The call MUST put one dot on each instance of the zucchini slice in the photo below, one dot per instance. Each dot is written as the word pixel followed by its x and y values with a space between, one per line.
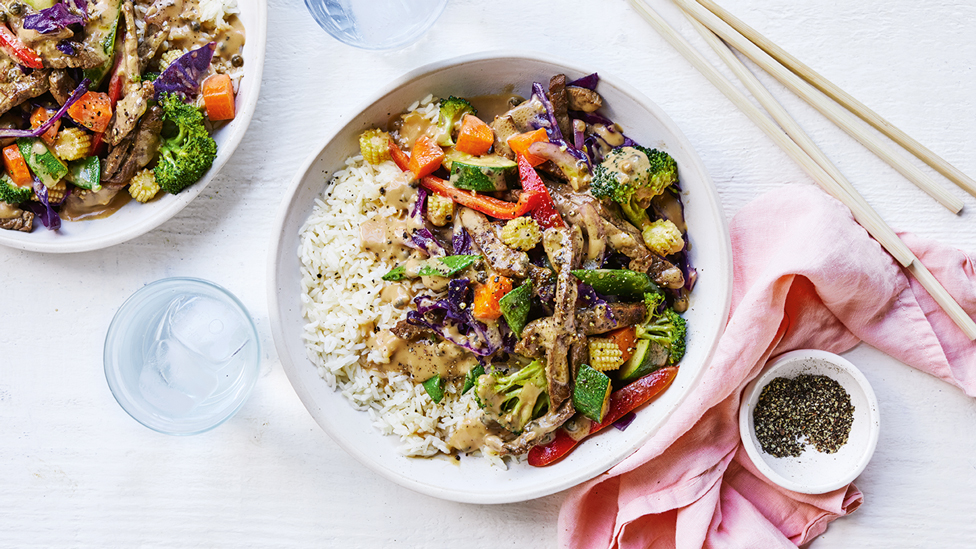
pixel 484 173
pixel 44 163
pixel 648 356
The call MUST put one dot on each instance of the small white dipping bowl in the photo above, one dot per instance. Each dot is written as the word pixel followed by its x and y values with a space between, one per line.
pixel 815 472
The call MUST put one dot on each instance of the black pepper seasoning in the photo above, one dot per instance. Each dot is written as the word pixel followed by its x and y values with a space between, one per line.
pixel 812 406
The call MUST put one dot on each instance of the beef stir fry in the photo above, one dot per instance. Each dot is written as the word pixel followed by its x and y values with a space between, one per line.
pixel 102 96
pixel 552 250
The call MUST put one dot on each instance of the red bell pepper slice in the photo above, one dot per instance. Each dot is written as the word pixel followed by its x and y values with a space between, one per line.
pixel 19 51
pixel 114 94
pixel 494 207
pixel 622 402
pixel 400 158
pixel 545 214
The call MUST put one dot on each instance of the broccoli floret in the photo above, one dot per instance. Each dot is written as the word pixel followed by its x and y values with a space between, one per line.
pixel 631 177
pixel 665 327
pixel 11 193
pixel 452 111
pixel 515 399
pixel 183 158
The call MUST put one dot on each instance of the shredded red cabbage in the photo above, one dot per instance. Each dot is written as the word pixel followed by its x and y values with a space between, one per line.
pixel 52 19
pixel 625 420
pixel 42 209
pixel 552 126
pixel 589 82
pixel 184 75
pixel 451 319
pixel 66 47
pixel 461 241
pixel 75 96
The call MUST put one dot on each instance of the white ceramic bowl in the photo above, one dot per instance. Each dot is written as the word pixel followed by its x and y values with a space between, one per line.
pixel 135 219
pixel 474 480
pixel 815 472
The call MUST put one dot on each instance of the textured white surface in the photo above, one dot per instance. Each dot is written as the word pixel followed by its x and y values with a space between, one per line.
pixel 75 470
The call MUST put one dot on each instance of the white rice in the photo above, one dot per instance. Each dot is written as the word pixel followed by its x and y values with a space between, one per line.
pixel 341 306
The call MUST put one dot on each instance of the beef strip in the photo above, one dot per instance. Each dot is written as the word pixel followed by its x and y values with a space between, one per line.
pixel 133 105
pixel 562 245
pixel 503 260
pixel 61 85
pixel 560 105
pixel 578 209
pixel 405 330
pixel 583 99
pixel 17 87
pixel 534 432
pixel 154 37
pixel 603 318
pixel 137 151
pixel 24 222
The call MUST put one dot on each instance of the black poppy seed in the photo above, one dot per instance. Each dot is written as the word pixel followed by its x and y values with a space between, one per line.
pixel 808 409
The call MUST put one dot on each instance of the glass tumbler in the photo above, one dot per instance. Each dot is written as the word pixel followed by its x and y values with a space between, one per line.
pixel 376 24
pixel 181 355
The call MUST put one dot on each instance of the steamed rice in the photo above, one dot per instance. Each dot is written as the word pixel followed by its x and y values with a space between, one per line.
pixel 340 302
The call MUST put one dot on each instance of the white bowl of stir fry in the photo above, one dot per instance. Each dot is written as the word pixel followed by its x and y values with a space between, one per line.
pixel 115 114
pixel 511 397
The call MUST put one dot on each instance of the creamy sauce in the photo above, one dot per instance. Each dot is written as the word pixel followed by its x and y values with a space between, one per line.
pixel 83 204
pixel 469 435
pixel 9 211
pixel 410 127
pixel 421 359
pixel 401 192
pixel 628 162
pixel 490 106
pixel 612 135
pixel 182 14
pixel 385 238
pixel 396 294
pixel 671 209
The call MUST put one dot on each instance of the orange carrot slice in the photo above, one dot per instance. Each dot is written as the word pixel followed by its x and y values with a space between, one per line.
pixel 486 296
pixel 218 97
pixel 93 111
pixel 520 144
pixel 425 157
pixel 16 166
pixel 475 137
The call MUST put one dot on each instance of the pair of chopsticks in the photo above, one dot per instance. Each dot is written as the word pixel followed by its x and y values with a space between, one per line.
pixel 716 25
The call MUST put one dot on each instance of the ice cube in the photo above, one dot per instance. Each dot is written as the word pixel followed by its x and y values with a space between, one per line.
pixel 173 379
pixel 208 327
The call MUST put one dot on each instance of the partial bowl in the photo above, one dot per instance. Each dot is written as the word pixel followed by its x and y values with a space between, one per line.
pixel 815 472
pixel 135 219
pixel 475 480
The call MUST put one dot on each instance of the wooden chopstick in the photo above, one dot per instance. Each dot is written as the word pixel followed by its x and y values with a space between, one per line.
pixel 779 114
pixel 862 212
pixel 825 106
pixel 784 59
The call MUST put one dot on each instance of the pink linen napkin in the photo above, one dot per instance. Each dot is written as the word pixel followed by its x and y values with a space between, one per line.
pixel 806 275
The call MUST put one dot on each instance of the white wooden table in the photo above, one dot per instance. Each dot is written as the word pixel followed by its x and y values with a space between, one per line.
pixel 75 470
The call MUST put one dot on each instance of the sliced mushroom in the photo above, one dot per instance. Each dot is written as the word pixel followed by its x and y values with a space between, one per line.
pixel 583 99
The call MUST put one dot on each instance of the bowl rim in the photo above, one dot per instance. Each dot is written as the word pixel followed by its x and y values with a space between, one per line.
pixel 278 239
pixel 255 34
pixel 770 371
